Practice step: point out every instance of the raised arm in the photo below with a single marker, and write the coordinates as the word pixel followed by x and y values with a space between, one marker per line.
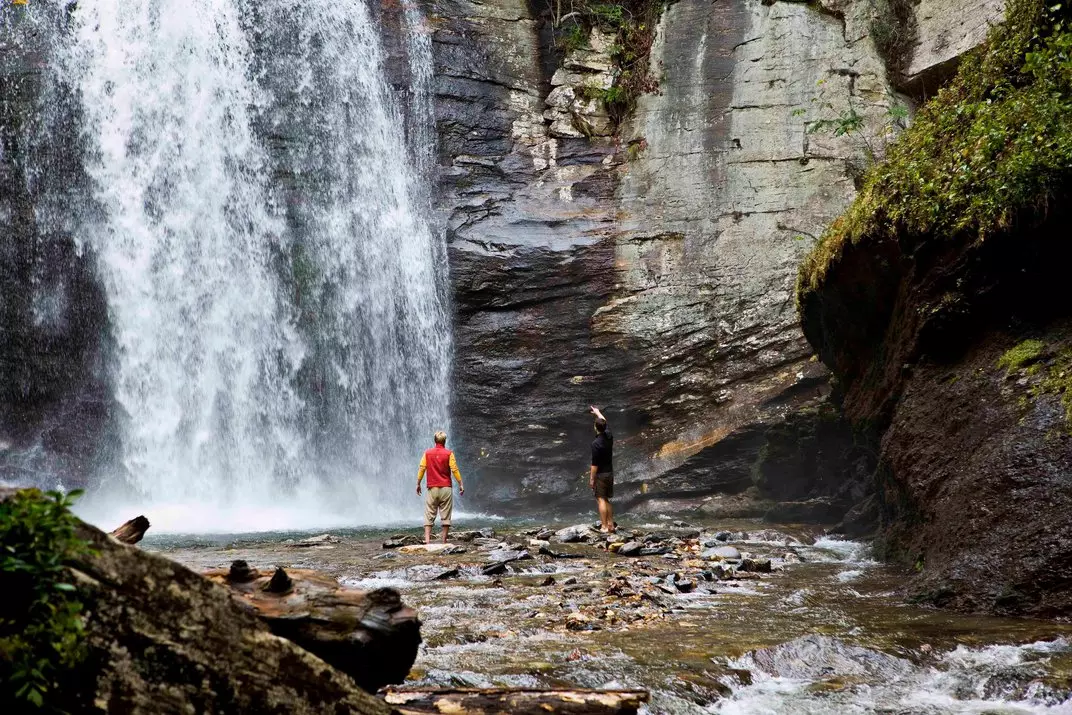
pixel 595 411
pixel 456 473
pixel 420 473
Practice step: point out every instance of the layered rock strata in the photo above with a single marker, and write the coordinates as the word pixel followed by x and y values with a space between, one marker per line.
pixel 650 272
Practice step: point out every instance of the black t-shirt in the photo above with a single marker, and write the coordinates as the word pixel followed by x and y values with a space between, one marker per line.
pixel 603 452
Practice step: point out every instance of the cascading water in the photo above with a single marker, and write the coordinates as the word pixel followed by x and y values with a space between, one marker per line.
pixel 275 291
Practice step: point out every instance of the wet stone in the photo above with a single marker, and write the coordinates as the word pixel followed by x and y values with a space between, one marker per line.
pixel 507 555
pixel 573 534
pixel 685 585
pixel 399 540
pixel 756 565
pixel 633 548
pixel 721 552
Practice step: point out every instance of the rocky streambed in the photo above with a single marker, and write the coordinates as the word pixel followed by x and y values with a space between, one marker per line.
pixel 734 617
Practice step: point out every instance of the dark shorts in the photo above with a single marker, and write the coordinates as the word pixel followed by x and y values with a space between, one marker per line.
pixel 605 485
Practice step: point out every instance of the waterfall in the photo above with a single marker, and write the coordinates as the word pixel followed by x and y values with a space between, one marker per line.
pixel 275 290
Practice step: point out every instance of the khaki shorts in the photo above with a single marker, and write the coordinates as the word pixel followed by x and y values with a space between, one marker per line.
pixel 438 499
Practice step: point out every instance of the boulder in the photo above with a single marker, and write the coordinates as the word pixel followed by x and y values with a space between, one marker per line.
pixel 573 534
pixel 721 552
pixel 161 638
pixel 633 548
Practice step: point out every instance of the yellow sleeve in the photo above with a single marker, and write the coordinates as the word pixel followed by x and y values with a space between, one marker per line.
pixel 454 468
pixel 421 469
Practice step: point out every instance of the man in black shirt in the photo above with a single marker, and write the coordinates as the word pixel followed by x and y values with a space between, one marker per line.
pixel 601 478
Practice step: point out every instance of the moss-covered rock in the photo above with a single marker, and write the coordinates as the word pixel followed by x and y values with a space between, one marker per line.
pixel 939 300
pixel 991 150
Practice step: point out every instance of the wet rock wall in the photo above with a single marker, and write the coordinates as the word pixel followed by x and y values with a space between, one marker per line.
pixel 649 272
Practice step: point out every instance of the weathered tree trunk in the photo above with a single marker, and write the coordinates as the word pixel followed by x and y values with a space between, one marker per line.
pixel 480 701
pixel 132 531
pixel 369 635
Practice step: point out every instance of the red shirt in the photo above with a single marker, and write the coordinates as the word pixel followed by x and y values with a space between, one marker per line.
pixel 438 462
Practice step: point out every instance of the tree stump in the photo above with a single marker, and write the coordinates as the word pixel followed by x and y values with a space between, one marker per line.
pixel 369 635
pixel 132 531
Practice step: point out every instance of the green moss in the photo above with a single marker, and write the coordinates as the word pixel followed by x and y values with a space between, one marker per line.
pixel 1022 354
pixel 40 625
pixel 991 147
pixel 1052 376
pixel 1057 380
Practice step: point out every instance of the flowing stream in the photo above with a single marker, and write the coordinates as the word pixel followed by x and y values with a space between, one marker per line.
pixel 826 632
pixel 276 294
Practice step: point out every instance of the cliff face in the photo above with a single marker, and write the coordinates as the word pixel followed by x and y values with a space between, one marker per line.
pixel 938 301
pixel 54 390
pixel 649 272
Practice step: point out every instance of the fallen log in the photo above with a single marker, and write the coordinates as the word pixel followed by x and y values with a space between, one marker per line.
pixel 493 701
pixel 369 635
pixel 132 531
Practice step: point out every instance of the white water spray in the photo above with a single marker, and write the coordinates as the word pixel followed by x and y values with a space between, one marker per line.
pixel 275 291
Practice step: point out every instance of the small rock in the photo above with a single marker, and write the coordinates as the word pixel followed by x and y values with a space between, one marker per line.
pixel 319 540
pixel 494 569
pixel 633 548
pixel 721 552
pixel 723 536
pixel 682 523
pixel 756 565
pixel 577 621
pixel 508 555
pixel 652 551
pixel 432 549
pixel 388 555
pixel 545 534
pixel 685 585
pixel 548 551
pixel 569 581
pixel 486 532
pixel 615 547
pixel 549 581
pixel 573 534
pixel 537 543
pixel 399 540
pixel 792 557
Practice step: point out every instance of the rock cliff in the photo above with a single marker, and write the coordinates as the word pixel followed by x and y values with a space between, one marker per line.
pixel 937 300
pixel 650 271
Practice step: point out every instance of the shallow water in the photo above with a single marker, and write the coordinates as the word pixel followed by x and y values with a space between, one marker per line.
pixel 693 651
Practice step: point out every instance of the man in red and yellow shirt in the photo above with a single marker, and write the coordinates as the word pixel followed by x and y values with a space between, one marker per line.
pixel 438 462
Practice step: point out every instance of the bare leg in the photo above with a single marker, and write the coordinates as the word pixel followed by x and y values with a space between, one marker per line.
pixel 446 529
pixel 604 510
pixel 427 534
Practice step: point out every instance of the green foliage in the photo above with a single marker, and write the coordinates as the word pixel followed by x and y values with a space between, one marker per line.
pixel 850 122
pixel 40 623
pixel 847 122
pixel 632 22
pixel 1022 354
pixel 993 146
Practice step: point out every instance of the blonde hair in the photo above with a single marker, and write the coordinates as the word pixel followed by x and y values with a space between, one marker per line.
pixel 440 437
